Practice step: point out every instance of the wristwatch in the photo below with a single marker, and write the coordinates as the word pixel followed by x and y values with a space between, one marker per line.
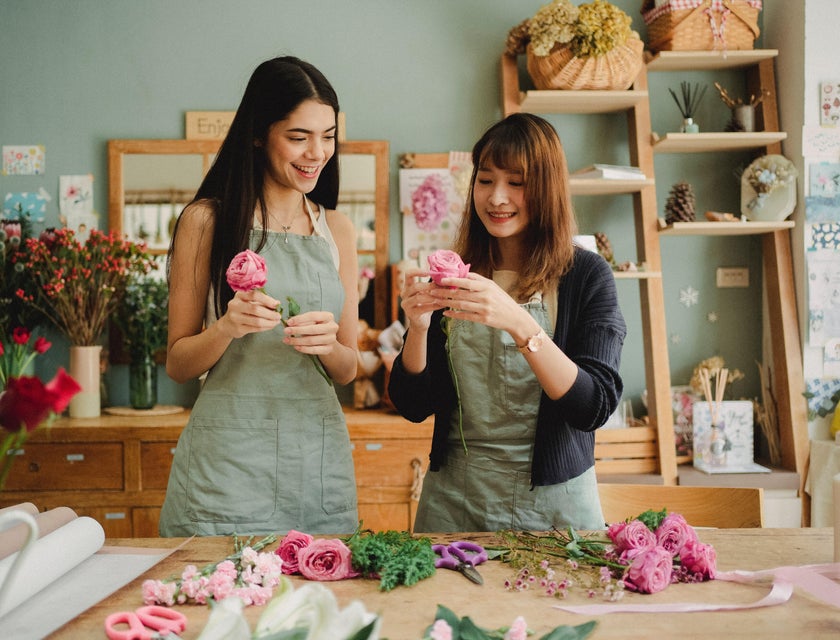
pixel 534 343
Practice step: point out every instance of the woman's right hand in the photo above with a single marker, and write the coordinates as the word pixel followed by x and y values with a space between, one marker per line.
pixel 250 312
pixel 416 301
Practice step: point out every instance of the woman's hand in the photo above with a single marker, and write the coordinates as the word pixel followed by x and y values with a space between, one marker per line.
pixel 313 332
pixel 417 300
pixel 250 312
pixel 479 299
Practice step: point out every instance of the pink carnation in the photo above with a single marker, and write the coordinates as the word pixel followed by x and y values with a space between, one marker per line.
pixel 630 535
pixel 650 569
pixel 247 271
pixel 674 533
pixel 289 548
pixel 700 559
pixel 326 560
pixel 446 264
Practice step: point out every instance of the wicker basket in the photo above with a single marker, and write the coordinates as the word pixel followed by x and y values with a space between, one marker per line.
pixel 701 25
pixel 561 69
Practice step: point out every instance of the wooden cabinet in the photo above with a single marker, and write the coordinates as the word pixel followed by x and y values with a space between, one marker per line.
pixel 115 469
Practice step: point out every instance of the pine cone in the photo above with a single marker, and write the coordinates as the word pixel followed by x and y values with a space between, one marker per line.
pixel 680 204
pixel 604 246
pixel 518 39
pixel 733 126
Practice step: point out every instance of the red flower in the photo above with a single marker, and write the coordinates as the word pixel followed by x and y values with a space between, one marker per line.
pixel 42 345
pixel 27 401
pixel 21 335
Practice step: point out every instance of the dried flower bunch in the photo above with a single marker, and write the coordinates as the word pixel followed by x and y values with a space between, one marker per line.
pixel 710 367
pixel 770 172
pixel 592 29
pixel 78 286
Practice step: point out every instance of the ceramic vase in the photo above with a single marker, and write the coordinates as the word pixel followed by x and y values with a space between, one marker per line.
pixel 142 381
pixel 85 369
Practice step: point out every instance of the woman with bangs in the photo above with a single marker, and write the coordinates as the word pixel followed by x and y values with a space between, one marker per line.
pixel 518 361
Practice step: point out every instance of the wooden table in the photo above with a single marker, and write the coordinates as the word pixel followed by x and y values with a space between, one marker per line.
pixel 407 611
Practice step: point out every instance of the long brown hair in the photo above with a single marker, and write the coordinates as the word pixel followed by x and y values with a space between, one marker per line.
pixel 527 143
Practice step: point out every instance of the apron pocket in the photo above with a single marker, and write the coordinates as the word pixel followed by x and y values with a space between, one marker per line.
pixel 338 477
pixel 239 486
pixel 520 389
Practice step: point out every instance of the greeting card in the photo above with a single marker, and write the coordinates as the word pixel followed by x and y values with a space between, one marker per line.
pixel 24 160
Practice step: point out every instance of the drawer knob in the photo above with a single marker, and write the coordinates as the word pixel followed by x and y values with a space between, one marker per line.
pixel 34 467
pixel 75 457
pixel 373 446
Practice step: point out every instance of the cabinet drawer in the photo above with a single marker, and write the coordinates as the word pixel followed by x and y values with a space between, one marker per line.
pixel 385 463
pixel 155 462
pixel 60 466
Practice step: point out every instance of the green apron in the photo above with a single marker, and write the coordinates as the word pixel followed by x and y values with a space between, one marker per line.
pixel 266 448
pixel 489 488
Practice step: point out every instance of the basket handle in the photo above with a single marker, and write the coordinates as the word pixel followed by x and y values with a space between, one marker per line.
pixel 734 8
pixel 655 45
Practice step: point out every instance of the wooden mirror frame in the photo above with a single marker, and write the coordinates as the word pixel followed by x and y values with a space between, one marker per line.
pixel 118 149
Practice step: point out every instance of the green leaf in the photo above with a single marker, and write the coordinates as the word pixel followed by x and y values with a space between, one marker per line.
pixel 294 307
pixel 565 632
pixel 468 630
pixel 365 632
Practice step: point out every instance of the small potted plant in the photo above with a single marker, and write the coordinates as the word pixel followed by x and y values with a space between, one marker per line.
pixel 142 319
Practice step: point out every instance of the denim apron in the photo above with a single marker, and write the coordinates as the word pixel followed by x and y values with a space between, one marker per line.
pixel 489 487
pixel 266 448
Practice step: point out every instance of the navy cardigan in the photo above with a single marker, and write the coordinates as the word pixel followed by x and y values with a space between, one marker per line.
pixel 589 329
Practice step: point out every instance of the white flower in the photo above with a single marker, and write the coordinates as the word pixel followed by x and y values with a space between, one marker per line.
pixel 226 621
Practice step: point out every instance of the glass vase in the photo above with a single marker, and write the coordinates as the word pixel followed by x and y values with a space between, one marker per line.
pixel 142 382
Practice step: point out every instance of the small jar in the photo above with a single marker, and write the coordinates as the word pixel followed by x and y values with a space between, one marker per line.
pixel 689 126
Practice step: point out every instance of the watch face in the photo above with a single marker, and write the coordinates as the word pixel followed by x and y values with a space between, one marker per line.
pixel 535 342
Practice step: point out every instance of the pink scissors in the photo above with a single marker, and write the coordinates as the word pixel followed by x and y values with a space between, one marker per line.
pixel 165 622
pixel 461 556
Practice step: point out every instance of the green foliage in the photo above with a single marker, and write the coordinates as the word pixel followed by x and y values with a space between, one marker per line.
pixel 652 519
pixel 395 556
pixel 465 629
pixel 143 314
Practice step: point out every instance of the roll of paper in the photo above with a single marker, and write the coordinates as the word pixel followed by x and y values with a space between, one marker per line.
pixel 49 558
pixel 26 507
pixel 12 539
pixel 837 518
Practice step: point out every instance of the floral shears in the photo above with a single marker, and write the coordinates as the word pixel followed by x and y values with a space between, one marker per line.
pixel 462 556
pixel 151 622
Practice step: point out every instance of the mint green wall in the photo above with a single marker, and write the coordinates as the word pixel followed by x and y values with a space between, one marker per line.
pixel 422 75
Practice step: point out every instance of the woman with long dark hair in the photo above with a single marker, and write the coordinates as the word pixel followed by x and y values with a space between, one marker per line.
pixel 266 448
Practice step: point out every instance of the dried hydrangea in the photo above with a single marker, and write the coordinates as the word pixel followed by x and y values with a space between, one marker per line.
pixel 600 28
pixel 518 38
pixel 552 24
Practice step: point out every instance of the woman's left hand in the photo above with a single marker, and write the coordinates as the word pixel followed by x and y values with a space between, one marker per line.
pixel 479 299
pixel 312 332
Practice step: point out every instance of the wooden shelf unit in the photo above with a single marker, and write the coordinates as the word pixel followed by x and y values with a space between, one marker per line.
pixel 701 228
pixel 781 330
pixel 639 450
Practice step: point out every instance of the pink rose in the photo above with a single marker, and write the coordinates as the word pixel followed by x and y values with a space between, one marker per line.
pixel 631 535
pixel 289 549
pixel 446 264
pixel 326 560
pixel 700 559
pixel 650 569
pixel 247 271
pixel 674 533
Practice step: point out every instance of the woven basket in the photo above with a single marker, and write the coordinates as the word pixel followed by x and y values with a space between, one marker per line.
pixel 701 25
pixel 561 69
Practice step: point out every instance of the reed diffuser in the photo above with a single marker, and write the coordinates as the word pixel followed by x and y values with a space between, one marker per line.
pixel 687 102
pixel 718 444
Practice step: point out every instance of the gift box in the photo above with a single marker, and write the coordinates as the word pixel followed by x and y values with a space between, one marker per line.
pixel 724 443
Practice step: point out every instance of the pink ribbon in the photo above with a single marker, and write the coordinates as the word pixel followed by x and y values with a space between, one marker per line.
pixel 816 579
